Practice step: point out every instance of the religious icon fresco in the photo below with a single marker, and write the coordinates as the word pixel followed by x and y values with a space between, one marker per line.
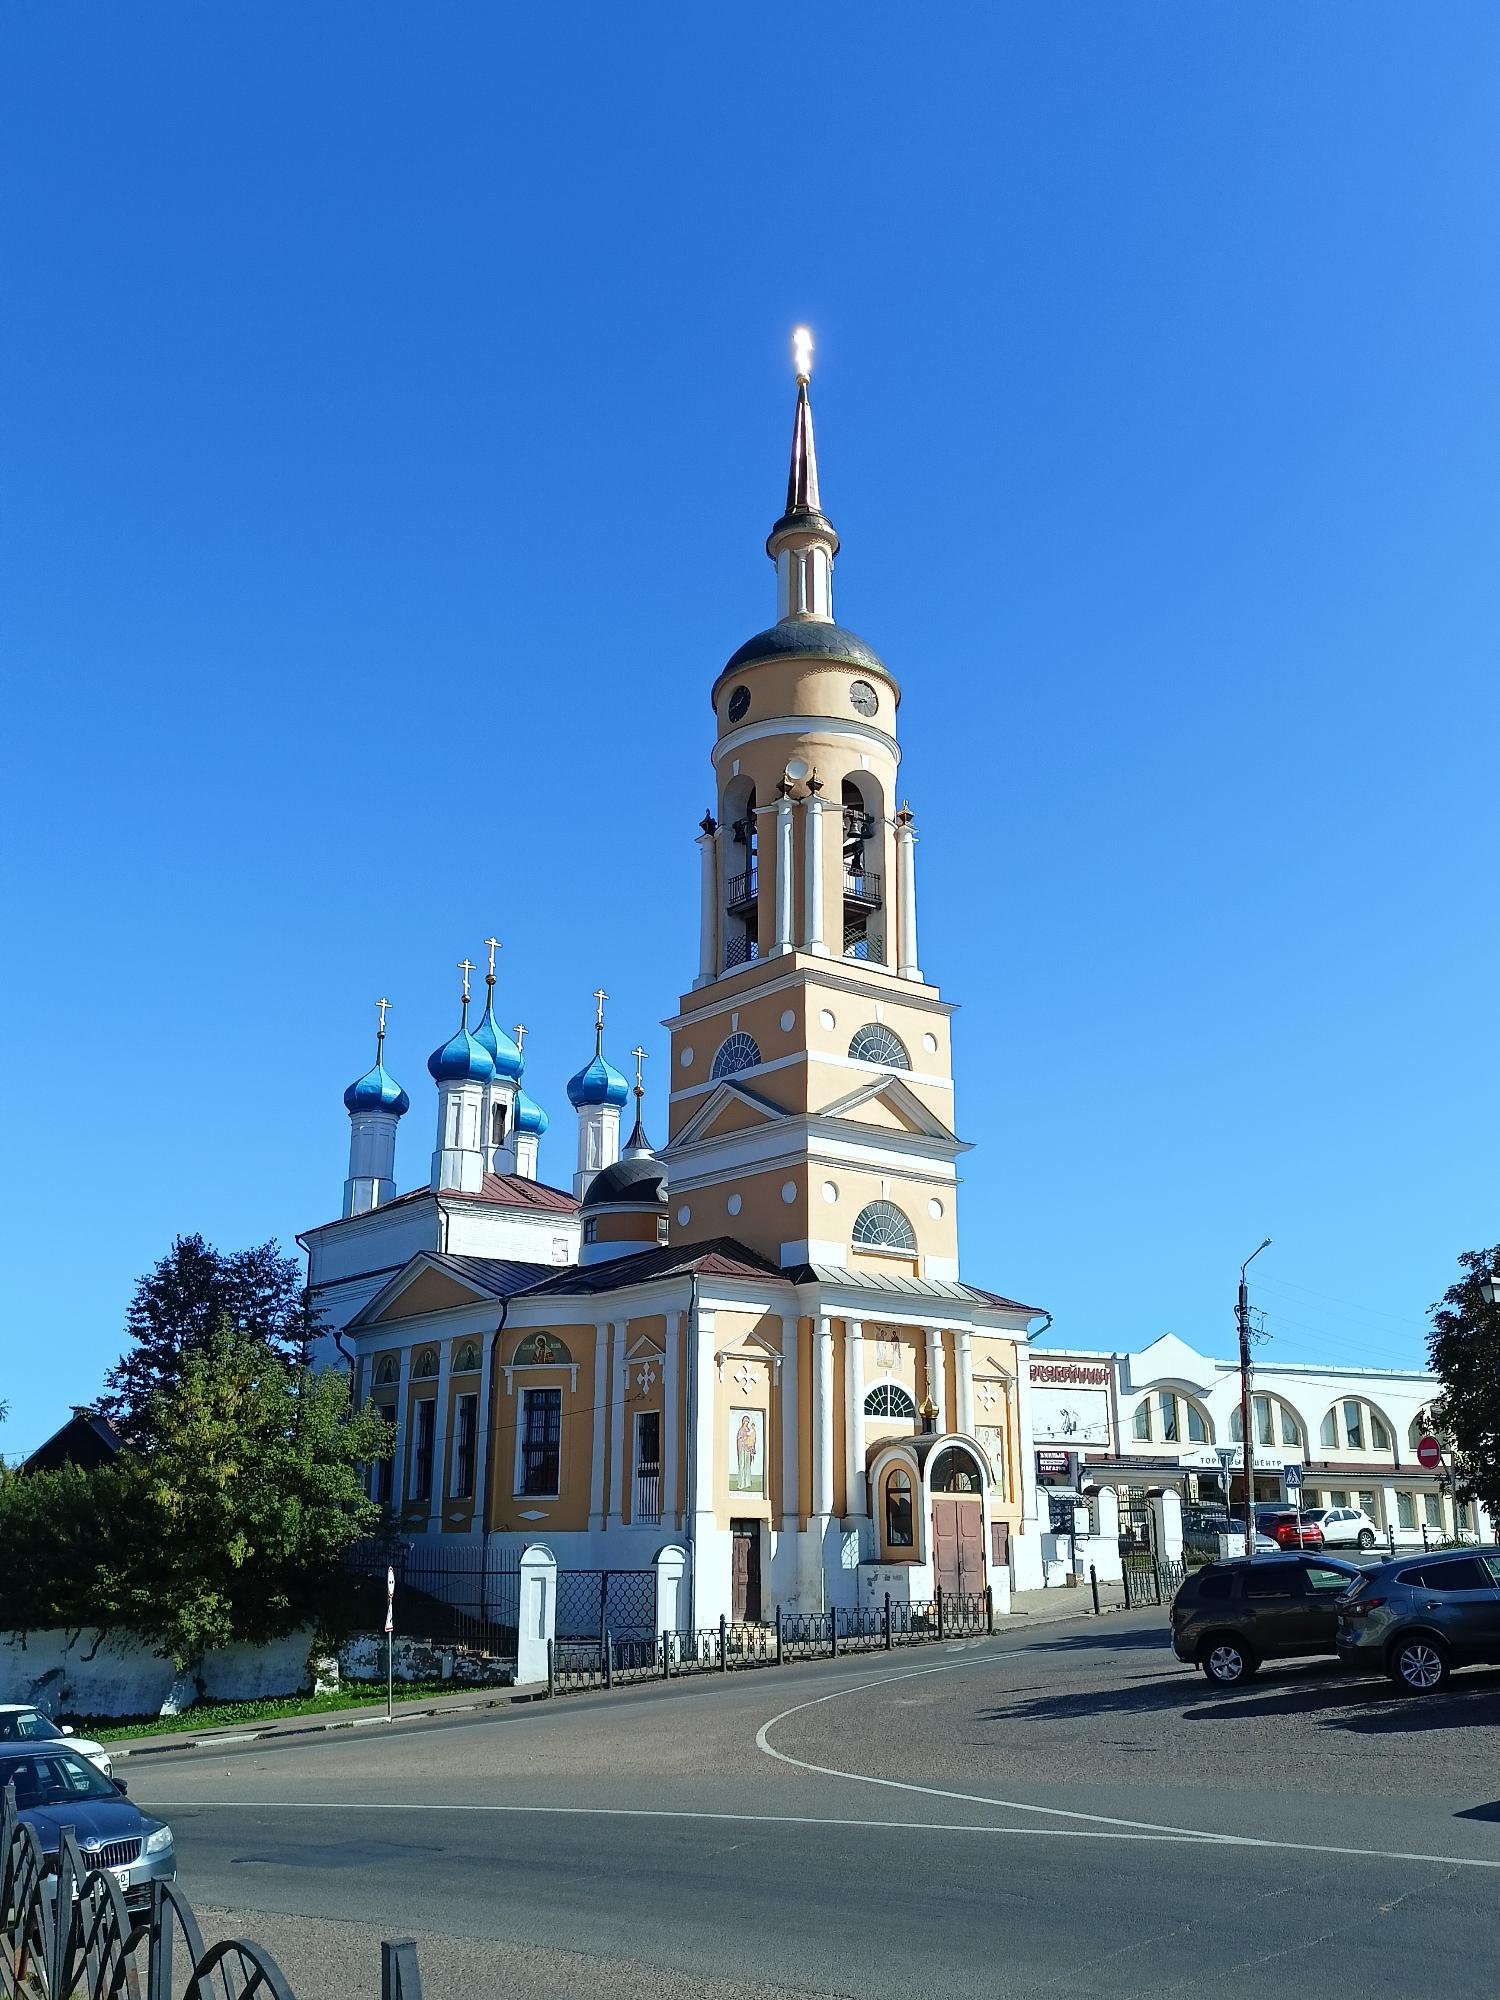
pixel 747 1451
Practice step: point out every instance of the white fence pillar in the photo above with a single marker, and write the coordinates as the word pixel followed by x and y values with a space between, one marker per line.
pixel 1166 1524
pixel 671 1589
pixel 538 1612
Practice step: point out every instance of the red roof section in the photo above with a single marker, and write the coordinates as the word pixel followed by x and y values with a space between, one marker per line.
pixel 503 1190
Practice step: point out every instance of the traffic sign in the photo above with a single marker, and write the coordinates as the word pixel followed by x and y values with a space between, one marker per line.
pixel 1292 1476
pixel 1230 1456
pixel 390 1600
pixel 1429 1454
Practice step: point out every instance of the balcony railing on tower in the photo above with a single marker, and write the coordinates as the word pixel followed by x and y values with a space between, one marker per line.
pixel 860 942
pixel 740 948
pixel 862 886
pixel 648 1494
pixel 742 890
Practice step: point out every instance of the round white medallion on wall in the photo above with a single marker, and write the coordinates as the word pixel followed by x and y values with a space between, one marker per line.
pixel 686 1057
pixel 929 1042
pixel 684 1216
pixel 788 1021
pixel 733 1204
pixel 935 1208
pixel 830 1191
pixel 789 1192
pixel 827 1020
pixel 796 770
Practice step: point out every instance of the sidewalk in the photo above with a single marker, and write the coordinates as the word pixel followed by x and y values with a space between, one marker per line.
pixel 315 1725
pixel 1045 1606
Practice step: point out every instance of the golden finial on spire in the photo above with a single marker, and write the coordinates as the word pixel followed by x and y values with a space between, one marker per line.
pixel 494 945
pixel 802 352
pixel 382 1004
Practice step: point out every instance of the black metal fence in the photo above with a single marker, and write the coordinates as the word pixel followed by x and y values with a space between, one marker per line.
pixel 593 1602
pixel 617 1659
pixel 1151 1579
pixel 456 1593
pixel 69 1931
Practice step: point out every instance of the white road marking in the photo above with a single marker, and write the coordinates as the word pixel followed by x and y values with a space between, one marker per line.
pixel 1119 1828
pixel 1106 1830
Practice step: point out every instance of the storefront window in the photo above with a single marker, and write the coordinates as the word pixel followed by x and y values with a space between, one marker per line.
pixel 1142 1426
pixel 1434 1506
pixel 1406 1510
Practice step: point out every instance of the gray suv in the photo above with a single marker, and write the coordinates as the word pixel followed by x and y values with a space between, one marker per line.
pixel 1229 1616
pixel 1422 1615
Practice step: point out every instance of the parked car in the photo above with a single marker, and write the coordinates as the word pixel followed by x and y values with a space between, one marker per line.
pixel 1202 1527
pixel 1420 1616
pixel 20 1722
pixel 1228 1617
pixel 1288 1529
pixel 1345 1527
pixel 55 1787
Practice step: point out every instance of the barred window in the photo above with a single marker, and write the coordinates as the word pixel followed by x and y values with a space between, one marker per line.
pixel 739 1052
pixel 889 1399
pixel 874 1043
pixel 882 1226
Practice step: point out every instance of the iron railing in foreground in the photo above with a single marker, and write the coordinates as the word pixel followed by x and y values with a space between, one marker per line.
pixel 575 1666
pixel 67 1933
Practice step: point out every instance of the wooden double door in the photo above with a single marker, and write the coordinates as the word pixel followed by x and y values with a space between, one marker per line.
pixel 958 1544
pixel 746 1599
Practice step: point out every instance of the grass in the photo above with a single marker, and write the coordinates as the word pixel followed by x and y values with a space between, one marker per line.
pixel 224 1714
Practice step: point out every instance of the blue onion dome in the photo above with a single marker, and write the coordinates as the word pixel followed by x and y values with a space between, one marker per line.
pixel 529 1115
pixel 463 1060
pixel 505 1057
pixel 599 1083
pixel 377 1090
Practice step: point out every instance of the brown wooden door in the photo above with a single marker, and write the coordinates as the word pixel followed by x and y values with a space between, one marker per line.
pixel 746 1598
pixel 958 1544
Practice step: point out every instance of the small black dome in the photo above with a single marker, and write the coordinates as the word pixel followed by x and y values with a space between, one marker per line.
pixel 633 1181
pixel 807 638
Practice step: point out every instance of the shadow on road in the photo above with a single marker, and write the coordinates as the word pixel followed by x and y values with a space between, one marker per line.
pixel 1319 1690
pixel 1107 1635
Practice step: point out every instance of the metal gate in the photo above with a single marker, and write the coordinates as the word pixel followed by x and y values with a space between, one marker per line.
pixel 591 1602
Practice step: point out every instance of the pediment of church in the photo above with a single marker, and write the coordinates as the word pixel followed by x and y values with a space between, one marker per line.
pixel 423 1287
pixel 732 1107
pixel 888 1103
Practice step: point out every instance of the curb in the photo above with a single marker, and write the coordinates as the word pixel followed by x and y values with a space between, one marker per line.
pixel 405 1712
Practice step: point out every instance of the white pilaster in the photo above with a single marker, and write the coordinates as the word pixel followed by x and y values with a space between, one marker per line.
pixel 617 1473
pixel 937 1374
pixel 526 1152
pixel 398 1463
pixel 712 1548
pixel 813 884
pixel 708 908
pixel 822 1493
pixel 601 1419
pixel 1024 1446
pixel 791 1437
pixel 439 1444
pixel 784 883
pixel 906 901
pixel 855 1505
pixel 961 1341
pixel 676 1330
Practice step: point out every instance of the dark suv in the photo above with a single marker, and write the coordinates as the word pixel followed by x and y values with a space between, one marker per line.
pixel 1422 1615
pixel 1229 1616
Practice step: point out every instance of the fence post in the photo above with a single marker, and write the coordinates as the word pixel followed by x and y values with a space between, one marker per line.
pixel 833 1631
pixel 666 1655
pixel 1390 1535
pixel 723 1644
pixel 780 1649
pixel 1094 1587
pixel 940 1611
pixel 551 1673
pixel 62 1916
pixel 609 1659
pixel 1125 1579
pixel 159 1950
pixel 1425 1542
pixel 989 1609
pixel 400 1975
pixel 888 1621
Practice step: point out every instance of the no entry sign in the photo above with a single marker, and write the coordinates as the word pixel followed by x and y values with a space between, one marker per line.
pixel 1429 1454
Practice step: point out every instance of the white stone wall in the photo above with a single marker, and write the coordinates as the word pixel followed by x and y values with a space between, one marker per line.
pixel 99 1674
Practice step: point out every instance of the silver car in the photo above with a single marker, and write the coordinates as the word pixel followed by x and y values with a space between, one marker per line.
pixel 1422 1615
pixel 56 1788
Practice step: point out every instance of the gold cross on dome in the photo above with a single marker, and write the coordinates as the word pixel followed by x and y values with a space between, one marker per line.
pixel 382 1004
pixel 494 946
pixel 466 966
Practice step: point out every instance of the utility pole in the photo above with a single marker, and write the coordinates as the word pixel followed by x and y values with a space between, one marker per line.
pixel 1242 1315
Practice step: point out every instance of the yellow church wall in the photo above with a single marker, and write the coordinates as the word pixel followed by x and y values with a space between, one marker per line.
pixel 621 1226
pixel 457 1512
pixel 569 1509
pixel 812 687
pixel 428 1292
pixel 645 1343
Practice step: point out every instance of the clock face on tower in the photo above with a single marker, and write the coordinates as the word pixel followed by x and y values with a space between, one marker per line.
pixel 738 702
pixel 863 697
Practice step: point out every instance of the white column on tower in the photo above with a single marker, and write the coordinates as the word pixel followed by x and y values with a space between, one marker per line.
pixel 906 898
pixel 854 1418
pixel 784 885
pixel 791 1437
pixel 937 1374
pixel 961 1341
pixel 813 896
pixel 708 903
pixel 822 1493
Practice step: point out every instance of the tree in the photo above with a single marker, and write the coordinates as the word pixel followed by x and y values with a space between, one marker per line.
pixel 177 1306
pixel 1464 1349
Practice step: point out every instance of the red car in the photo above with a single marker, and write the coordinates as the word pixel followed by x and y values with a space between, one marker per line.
pixel 1290 1532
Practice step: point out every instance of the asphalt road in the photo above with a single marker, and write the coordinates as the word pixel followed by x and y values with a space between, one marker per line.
pixel 1052 1810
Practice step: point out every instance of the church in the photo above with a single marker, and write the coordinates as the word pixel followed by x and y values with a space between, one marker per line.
pixel 751 1342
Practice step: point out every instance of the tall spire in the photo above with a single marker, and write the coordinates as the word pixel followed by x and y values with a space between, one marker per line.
pixel 803 542
pixel 638 1146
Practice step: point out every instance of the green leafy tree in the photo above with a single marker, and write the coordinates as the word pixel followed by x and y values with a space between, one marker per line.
pixel 1464 1349
pixel 177 1307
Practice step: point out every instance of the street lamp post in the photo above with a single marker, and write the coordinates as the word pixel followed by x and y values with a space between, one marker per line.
pixel 1242 1314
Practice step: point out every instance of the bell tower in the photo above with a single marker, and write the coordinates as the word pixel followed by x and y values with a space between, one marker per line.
pixel 811 1108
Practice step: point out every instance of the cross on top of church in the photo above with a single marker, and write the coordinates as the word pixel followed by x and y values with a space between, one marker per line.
pixel 600 996
pixel 494 945
pixel 382 1004
pixel 466 966
pixel 520 1034
pixel 640 1057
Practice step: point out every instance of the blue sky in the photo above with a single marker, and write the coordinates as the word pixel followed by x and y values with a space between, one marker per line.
pixel 396 401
